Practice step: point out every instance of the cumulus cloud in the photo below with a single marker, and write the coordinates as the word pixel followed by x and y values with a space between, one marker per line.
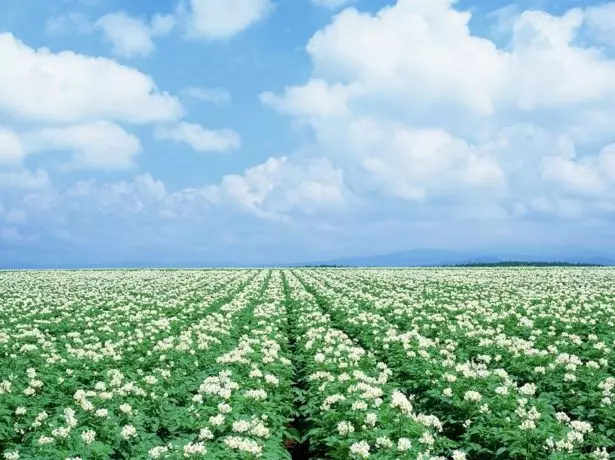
pixel 315 99
pixel 129 36
pixel 24 179
pixel 11 149
pixel 217 96
pixel 132 37
pixel 70 22
pixel 137 195
pixel 213 19
pixel 98 145
pixel 200 138
pixel 444 114
pixel 279 186
pixel 39 85
pixel 162 24
pixel 600 21
pixel 331 3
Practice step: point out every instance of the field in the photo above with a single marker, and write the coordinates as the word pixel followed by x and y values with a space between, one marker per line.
pixel 506 363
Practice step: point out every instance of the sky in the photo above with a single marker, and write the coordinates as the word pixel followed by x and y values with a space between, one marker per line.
pixel 274 131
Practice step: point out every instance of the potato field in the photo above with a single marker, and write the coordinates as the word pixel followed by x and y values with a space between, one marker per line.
pixel 450 363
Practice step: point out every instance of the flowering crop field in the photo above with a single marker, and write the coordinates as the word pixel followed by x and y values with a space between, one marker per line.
pixel 490 363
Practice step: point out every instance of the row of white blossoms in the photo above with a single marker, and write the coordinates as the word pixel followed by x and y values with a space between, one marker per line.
pixel 353 394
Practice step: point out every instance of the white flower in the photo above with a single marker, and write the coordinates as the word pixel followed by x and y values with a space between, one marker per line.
pixel 473 396
pixel 427 438
pixel 29 391
pixel 360 449
pixel 458 455
pixel 371 419
pixel 217 420
pixel 503 390
pixel 157 452
pixel 562 417
pixel 224 408
pixel 243 444
pixel 256 394
pixel 384 442
pixel 528 425
pixel 359 405
pixel 581 427
pixel 404 444
pixel 62 432
pixel 241 426
pixel 345 428
pixel 128 431
pixel 528 389
pixel 88 436
pixel 126 408
pixel 271 379
pixel 191 449
pixel 398 399
pixel 600 454
pixel 45 440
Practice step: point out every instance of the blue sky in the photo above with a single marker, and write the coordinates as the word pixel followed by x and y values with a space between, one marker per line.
pixel 265 131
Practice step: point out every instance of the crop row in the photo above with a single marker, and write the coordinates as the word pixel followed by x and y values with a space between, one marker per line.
pixel 350 400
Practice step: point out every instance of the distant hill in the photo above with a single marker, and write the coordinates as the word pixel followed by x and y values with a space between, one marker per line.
pixel 512 263
pixel 438 257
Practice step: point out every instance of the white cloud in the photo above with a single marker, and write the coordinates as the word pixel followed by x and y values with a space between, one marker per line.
pixel 162 24
pixel 600 21
pixel 11 149
pixel 430 56
pixel 214 19
pixel 217 96
pixel 129 196
pixel 132 37
pixel 201 139
pixel 446 116
pixel 407 163
pixel 316 98
pixel 129 36
pixel 573 176
pixel 24 179
pixel 606 161
pixel 280 186
pixel 70 22
pixel 99 145
pixel 69 87
pixel 331 3
pixel 434 65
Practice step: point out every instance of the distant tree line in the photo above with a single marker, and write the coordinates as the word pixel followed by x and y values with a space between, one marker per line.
pixel 325 266
pixel 512 263
pixel 504 263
